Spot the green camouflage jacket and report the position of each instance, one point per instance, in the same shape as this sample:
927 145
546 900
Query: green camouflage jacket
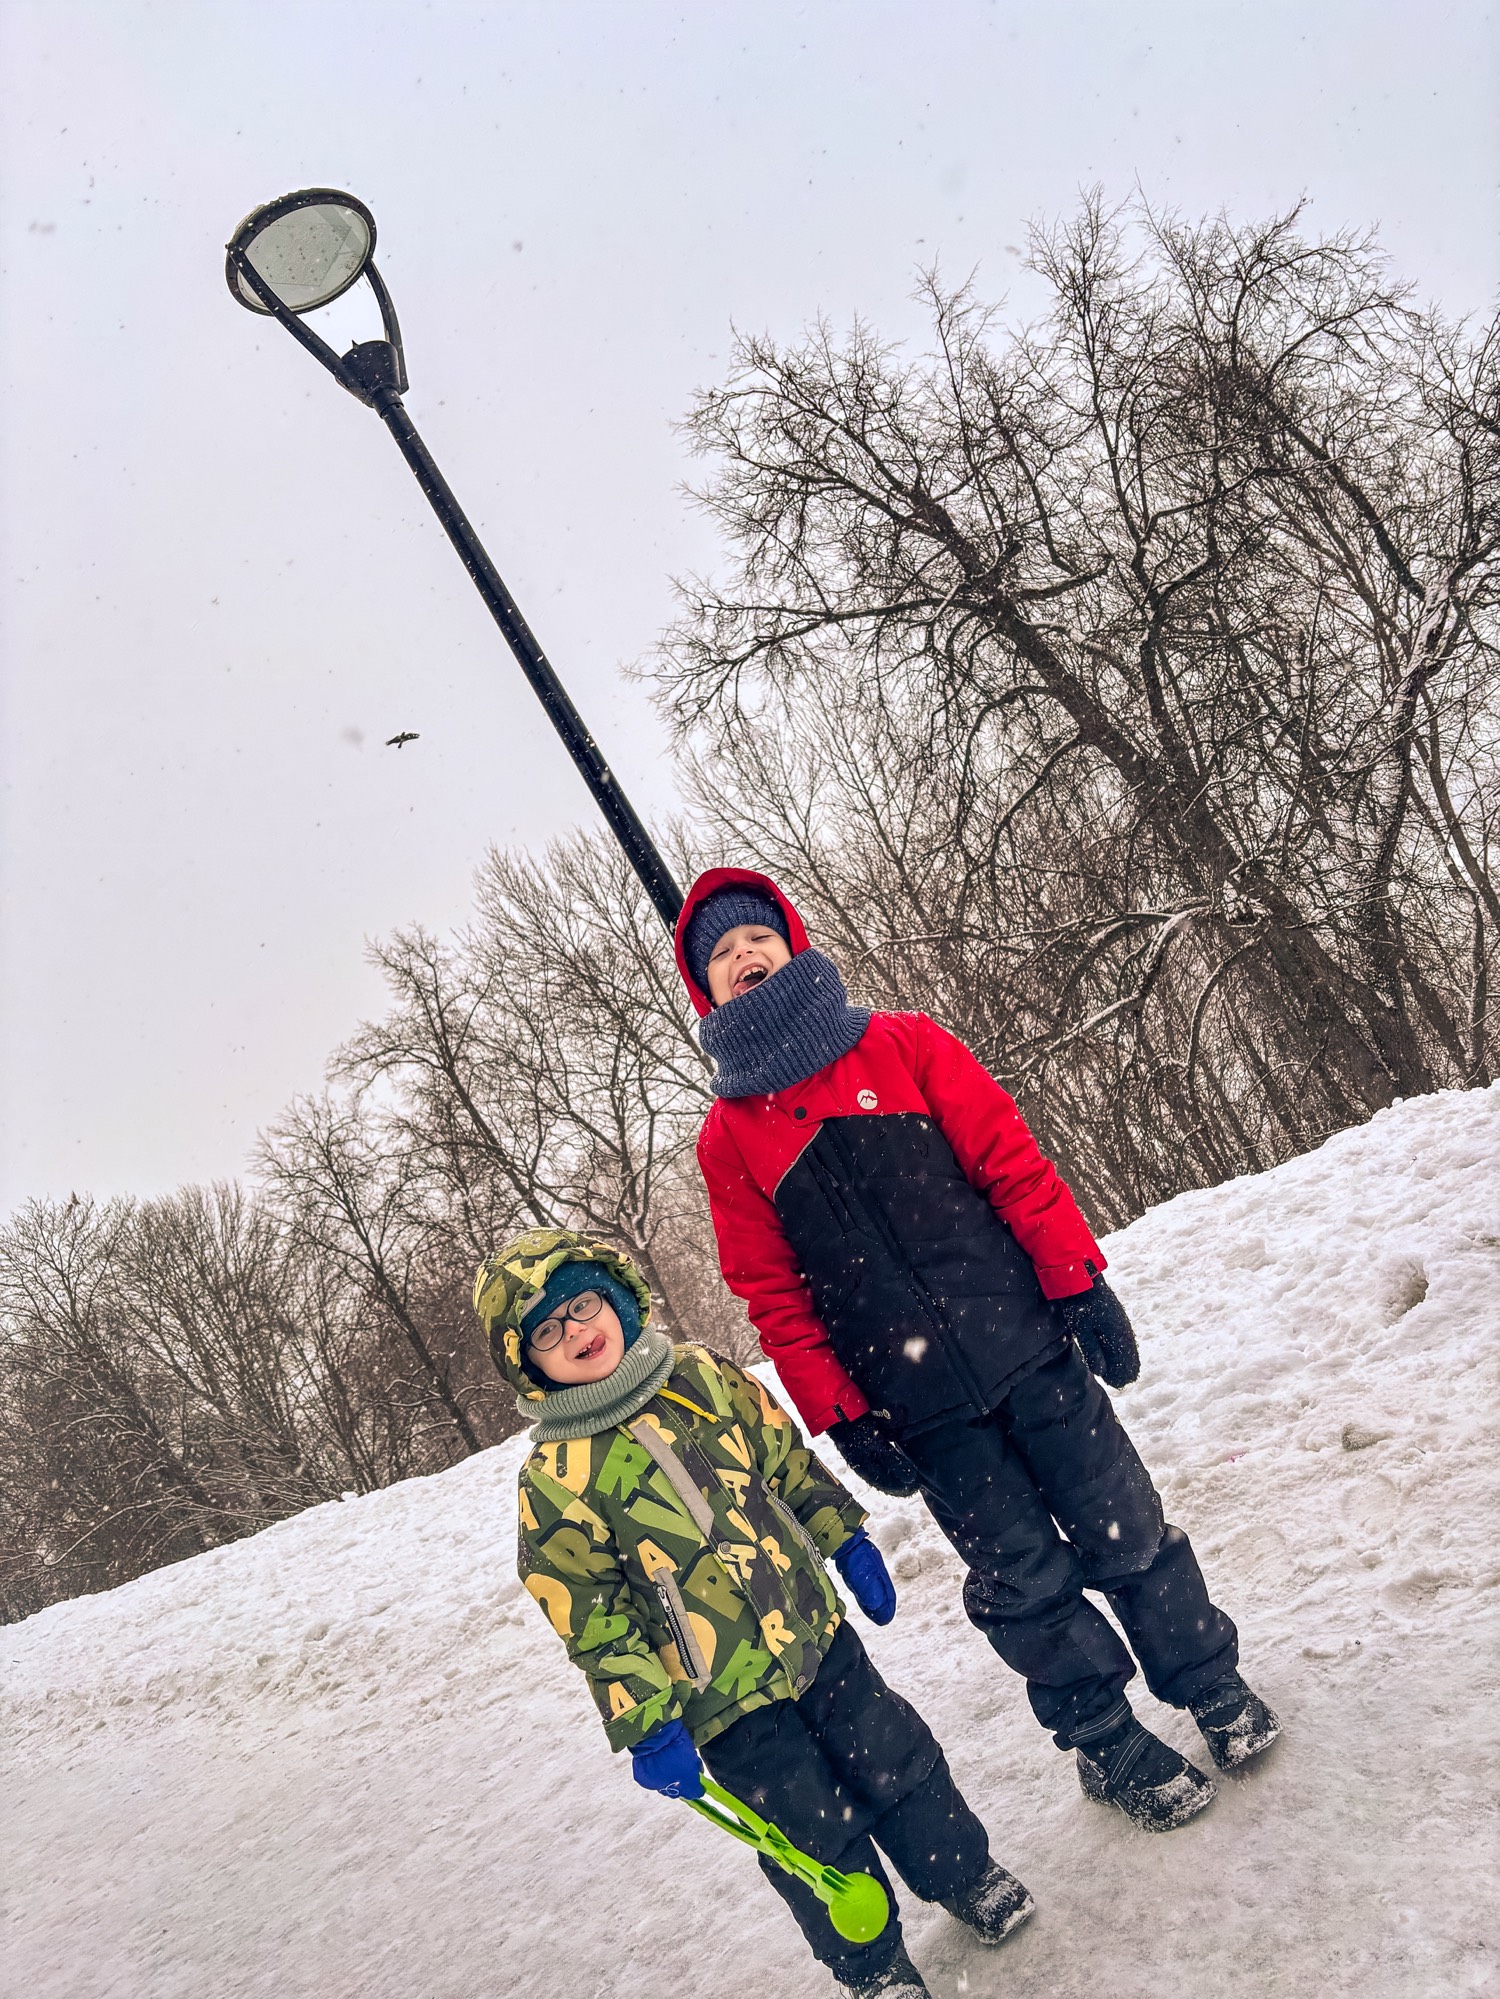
680 1557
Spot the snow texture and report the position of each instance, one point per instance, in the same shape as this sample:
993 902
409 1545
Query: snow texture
348 1757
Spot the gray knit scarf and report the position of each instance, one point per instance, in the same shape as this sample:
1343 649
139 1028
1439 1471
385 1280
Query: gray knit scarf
783 1031
586 1407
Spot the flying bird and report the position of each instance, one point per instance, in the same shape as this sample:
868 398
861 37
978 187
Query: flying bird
406 736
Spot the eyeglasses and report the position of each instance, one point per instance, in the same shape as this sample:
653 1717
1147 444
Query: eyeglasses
550 1332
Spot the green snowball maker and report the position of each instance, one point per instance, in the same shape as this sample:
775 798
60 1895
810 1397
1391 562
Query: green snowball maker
857 1904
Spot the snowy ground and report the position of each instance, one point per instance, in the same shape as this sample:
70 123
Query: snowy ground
348 1757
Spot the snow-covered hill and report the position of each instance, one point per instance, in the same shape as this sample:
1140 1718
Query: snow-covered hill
348 1757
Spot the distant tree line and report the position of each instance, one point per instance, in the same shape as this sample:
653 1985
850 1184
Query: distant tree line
1122 691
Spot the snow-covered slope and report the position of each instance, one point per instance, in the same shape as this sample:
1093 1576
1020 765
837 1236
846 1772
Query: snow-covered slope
348 1757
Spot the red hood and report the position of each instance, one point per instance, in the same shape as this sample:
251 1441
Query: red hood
707 885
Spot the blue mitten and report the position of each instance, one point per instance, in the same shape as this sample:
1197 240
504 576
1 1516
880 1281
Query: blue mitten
859 1562
667 1762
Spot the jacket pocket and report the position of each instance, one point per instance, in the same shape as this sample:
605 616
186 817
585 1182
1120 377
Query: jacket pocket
785 1513
688 1649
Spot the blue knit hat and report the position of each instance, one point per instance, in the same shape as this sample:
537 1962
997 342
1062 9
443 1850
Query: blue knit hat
727 909
566 1282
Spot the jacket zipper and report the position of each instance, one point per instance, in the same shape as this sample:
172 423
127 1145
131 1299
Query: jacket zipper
688 1649
957 1360
681 1480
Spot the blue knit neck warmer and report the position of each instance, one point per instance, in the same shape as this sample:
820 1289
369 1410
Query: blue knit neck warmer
781 1032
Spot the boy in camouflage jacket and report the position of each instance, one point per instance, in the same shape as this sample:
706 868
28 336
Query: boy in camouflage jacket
675 1529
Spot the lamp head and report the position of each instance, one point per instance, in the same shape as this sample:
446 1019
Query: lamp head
304 251
308 247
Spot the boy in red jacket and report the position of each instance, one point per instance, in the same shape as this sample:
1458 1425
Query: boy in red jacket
933 1299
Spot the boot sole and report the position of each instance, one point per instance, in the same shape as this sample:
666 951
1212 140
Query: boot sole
888 1991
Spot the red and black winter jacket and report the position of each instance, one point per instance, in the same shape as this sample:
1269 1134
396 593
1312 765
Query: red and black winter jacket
890 1222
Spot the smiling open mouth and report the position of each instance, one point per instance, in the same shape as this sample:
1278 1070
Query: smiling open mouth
595 1346
755 976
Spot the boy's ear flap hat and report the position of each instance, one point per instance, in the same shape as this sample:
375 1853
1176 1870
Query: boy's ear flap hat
737 895
527 1280
727 909
567 1281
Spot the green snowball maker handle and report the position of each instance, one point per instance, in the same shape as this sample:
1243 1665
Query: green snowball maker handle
857 1905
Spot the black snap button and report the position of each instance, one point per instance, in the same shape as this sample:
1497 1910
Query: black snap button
800 1111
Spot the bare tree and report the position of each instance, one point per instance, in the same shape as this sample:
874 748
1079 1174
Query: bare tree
173 1375
543 1069
176 1373
355 1200
1133 679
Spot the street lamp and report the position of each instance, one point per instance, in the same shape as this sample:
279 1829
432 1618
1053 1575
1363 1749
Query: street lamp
304 251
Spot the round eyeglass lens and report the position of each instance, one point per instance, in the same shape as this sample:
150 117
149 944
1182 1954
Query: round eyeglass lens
309 255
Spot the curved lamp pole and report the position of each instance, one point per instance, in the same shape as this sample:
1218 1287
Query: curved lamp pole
304 251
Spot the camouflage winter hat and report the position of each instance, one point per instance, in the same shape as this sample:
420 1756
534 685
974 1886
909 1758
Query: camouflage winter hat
515 1277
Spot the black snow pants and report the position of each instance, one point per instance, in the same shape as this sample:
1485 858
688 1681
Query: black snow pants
848 1765
1054 1455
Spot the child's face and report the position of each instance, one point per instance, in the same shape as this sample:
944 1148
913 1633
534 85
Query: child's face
589 1348
744 958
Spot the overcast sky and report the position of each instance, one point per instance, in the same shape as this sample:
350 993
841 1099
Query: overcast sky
220 588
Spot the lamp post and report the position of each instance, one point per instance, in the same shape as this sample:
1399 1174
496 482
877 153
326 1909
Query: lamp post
306 250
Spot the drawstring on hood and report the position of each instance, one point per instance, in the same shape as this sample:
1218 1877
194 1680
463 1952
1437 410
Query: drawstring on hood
779 1033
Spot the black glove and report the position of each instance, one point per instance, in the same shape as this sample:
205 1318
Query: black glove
1096 1319
870 1451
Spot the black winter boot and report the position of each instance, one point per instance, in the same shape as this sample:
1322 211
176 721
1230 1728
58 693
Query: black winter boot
1236 1723
900 1980
1156 1788
995 1905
